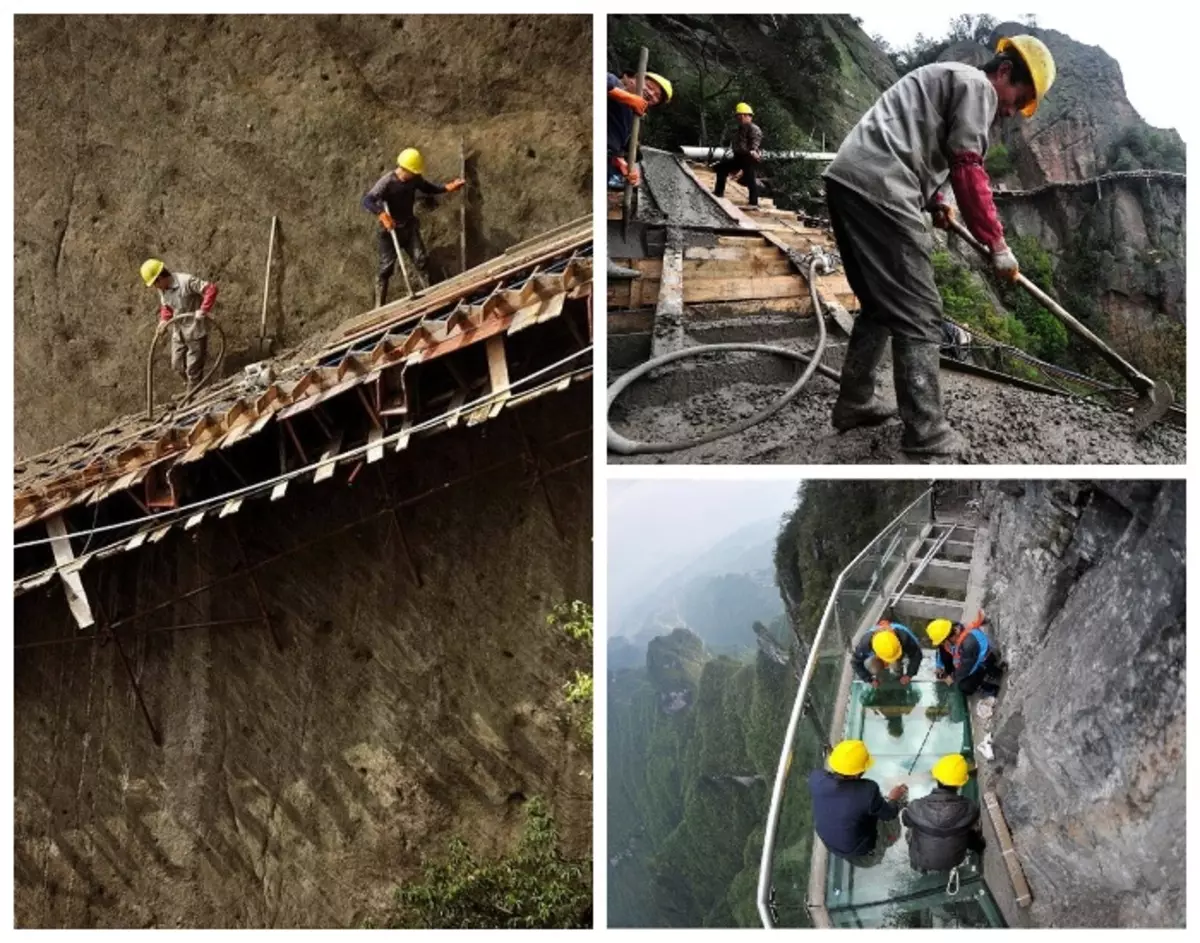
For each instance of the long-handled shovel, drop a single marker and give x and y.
(631, 156)
(400, 262)
(1156, 396)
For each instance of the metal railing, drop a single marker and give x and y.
(860, 594)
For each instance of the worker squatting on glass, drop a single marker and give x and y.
(392, 199)
(929, 129)
(186, 302)
(624, 104)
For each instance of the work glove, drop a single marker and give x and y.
(165, 313)
(756, 156)
(874, 682)
(898, 793)
(1004, 263)
(386, 218)
(456, 184)
(632, 174)
(632, 99)
(904, 679)
(943, 215)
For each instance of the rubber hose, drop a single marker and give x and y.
(625, 446)
(204, 380)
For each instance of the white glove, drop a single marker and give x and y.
(1004, 263)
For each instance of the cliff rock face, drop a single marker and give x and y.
(1087, 602)
(180, 137)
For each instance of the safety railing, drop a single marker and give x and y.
(859, 597)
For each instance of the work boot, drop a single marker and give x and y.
(381, 286)
(927, 435)
(857, 404)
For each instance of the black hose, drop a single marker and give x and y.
(626, 446)
(204, 380)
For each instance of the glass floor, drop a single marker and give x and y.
(908, 729)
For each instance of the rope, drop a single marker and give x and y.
(204, 380)
(188, 510)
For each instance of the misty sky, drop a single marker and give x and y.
(1154, 52)
(656, 527)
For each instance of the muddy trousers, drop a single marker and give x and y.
(409, 238)
(888, 264)
(886, 834)
(749, 180)
(189, 353)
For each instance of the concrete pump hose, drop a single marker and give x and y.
(204, 380)
(625, 446)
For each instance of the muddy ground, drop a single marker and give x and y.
(1002, 424)
(180, 137)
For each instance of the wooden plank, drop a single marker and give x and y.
(328, 460)
(731, 253)
(757, 267)
(374, 445)
(744, 241)
(498, 366)
(701, 290)
(405, 432)
(630, 322)
(279, 490)
(231, 507)
(77, 599)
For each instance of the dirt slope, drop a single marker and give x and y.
(181, 137)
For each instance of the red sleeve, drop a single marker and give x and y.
(209, 299)
(973, 191)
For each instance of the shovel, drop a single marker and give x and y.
(400, 262)
(631, 156)
(1155, 397)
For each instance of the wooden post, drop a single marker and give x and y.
(462, 206)
(262, 331)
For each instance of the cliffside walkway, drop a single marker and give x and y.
(917, 569)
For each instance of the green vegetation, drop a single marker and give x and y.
(965, 300)
(575, 620)
(1047, 336)
(536, 887)
(1141, 147)
(998, 162)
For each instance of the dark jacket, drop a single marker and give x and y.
(620, 121)
(397, 196)
(846, 812)
(973, 654)
(941, 827)
(745, 138)
(908, 643)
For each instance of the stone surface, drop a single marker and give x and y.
(1087, 601)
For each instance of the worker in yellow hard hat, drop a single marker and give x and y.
(944, 825)
(966, 656)
(850, 813)
(744, 154)
(186, 302)
(925, 135)
(624, 103)
(392, 199)
(889, 644)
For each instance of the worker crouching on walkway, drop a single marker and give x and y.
(745, 154)
(392, 200)
(888, 642)
(943, 825)
(850, 814)
(966, 656)
(930, 126)
(623, 104)
(186, 302)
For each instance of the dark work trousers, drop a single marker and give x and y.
(987, 676)
(888, 265)
(409, 237)
(747, 167)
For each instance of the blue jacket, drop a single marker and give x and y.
(966, 658)
(846, 812)
(620, 121)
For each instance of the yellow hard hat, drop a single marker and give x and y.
(662, 83)
(850, 758)
(887, 646)
(411, 160)
(938, 630)
(151, 269)
(951, 770)
(743, 109)
(1040, 63)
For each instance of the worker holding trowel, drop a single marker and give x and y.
(882, 648)
(745, 154)
(623, 104)
(930, 127)
(966, 657)
(392, 199)
(849, 812)
(186, 303)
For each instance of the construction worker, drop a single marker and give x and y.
(745, 153)
(966, 656)
(943, 825)
(930, 126)
(392, 199)
(623, 104)
(887, 642)
(850, 814)
(186, 302)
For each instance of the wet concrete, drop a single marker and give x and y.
(1002, 424)
(675, 196)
